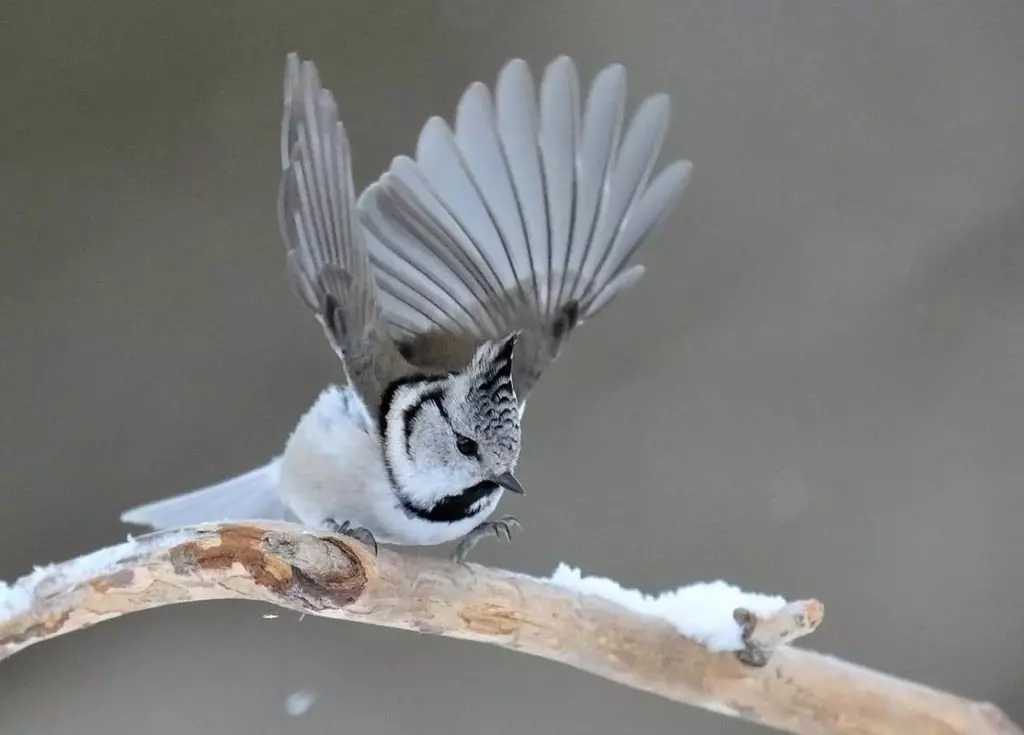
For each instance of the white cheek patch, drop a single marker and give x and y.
(424, 477)
(395, 448)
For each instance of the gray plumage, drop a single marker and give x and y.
(523, 217)
(326, 253)
(446, 289)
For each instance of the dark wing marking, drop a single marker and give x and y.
(327, 256)
(523, 217)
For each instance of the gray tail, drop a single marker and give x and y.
(249, 496)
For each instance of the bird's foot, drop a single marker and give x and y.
(500, 529)
(360, 534)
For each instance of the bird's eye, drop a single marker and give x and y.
(467, 446)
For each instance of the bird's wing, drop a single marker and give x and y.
(327, 256)
(522, 218)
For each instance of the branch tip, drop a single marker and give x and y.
(763, 635)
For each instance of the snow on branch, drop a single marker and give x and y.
(709, 645)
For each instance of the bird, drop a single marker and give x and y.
(446, 288)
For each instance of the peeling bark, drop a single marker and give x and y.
(771, 683)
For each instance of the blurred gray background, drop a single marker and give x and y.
(818, 390)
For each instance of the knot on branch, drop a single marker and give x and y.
(316, 572)
(563, 618)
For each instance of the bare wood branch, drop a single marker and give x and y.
(793, 690)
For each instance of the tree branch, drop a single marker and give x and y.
(768, 682)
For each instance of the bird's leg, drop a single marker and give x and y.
(501, 528)
(360, 534)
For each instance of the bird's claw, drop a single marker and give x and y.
(501, 528)
(360, 534)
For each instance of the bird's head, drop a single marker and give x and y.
(449, 434)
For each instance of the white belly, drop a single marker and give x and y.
(332, 469)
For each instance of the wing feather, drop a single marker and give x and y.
(479, 142)
(602, 125)
(640, 148)
(648, 212)
(327, 255)
(442, 166)
(559, 133)
(525, 216)
(518, 123)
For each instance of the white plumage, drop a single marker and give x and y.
(504, 232)
(251, 495)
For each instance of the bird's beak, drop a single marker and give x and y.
(508, 481)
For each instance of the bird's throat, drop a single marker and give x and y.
(454, 507)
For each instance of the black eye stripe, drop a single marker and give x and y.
(436, 398)
(465, 445)
(386, 400)
(412, 413)
(388, 396)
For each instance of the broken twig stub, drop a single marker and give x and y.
(762, 635)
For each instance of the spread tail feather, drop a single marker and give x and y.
(249, 496)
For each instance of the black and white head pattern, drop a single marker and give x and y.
(447, 438)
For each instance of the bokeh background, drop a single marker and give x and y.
(818, 390)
